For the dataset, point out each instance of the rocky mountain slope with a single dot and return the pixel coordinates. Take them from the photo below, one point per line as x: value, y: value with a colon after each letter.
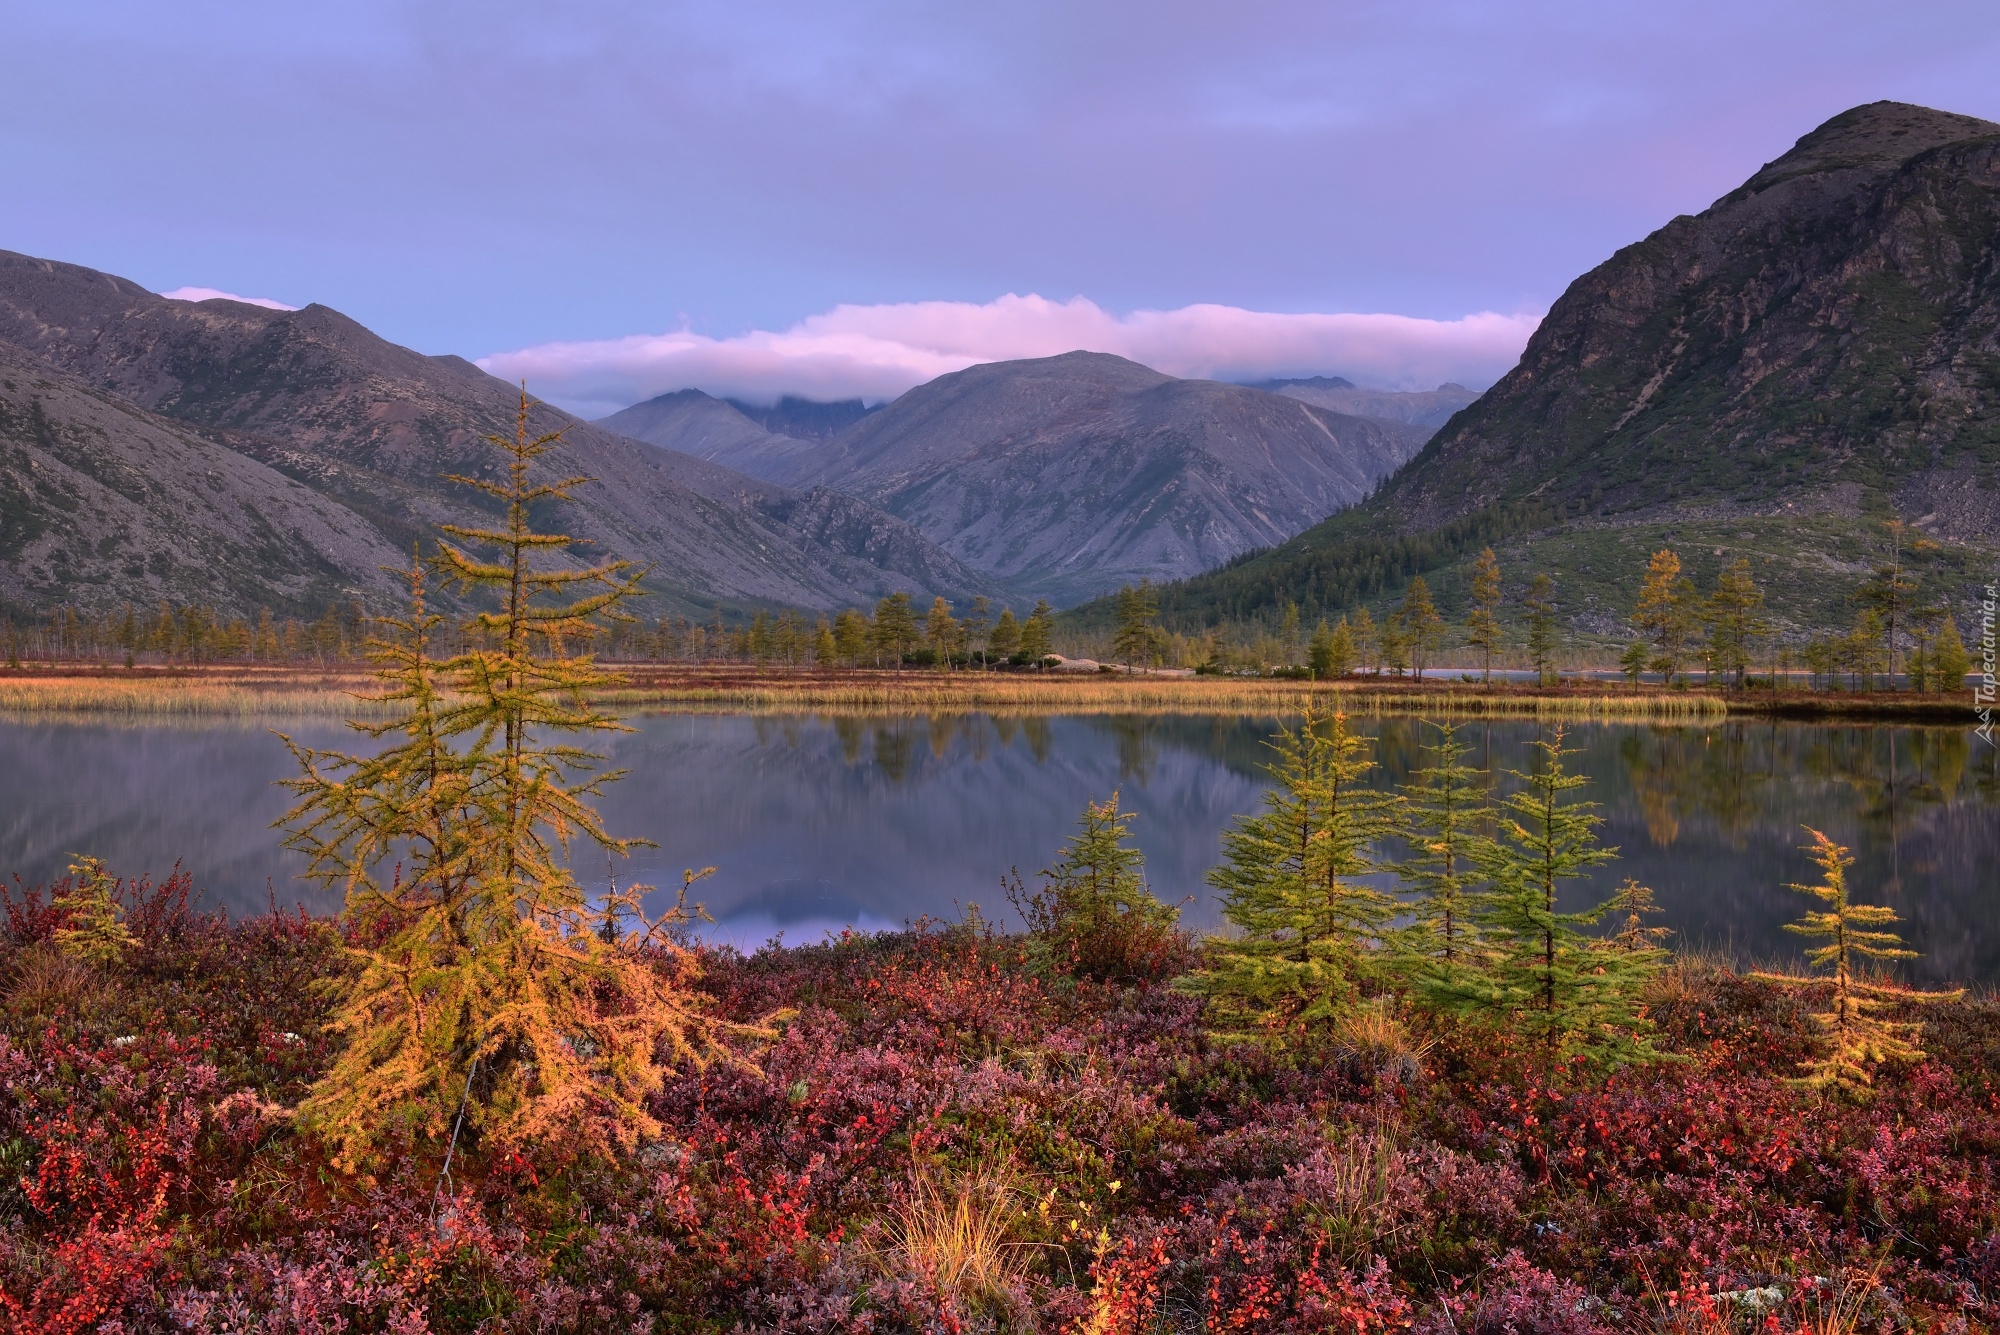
x: 1068, y: 476
x: 373, y: 428
x: 101, y: 501
x: 1818, y: 350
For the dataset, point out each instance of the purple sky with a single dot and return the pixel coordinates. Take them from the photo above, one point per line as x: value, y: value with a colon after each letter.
x: 487, y: 177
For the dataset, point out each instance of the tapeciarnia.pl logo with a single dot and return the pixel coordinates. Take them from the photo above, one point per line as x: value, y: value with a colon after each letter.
x: 1989, y: 663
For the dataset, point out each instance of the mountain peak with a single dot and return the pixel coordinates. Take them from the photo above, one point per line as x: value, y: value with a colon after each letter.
x: 1877, y: 134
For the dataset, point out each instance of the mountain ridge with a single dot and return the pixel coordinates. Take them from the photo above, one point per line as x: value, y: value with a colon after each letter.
x: 374, y: 427
x: 1820, y: 345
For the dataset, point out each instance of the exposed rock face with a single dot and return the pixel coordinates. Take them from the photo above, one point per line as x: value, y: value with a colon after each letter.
x: 103, y: 502
x: 375, y: 428
x: 1833, y: 321
x: 1068, y: 476
x: 1822, y: 341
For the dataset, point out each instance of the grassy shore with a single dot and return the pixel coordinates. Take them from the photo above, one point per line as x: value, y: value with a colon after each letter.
x: 315, y: 691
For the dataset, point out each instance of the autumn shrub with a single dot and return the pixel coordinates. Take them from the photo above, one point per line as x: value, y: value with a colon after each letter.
x: 1142, y: 1174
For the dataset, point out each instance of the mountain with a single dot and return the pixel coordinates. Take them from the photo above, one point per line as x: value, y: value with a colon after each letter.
x: 695, y: 423
x: 1816, y: 352
x: 1068, y: 476
x: 1426, y: 408
x: 96, y: 494
x: 804, y: 419
x: 373, y: 428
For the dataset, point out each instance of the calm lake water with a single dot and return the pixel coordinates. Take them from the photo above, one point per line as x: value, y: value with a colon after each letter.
x: 817, y: 823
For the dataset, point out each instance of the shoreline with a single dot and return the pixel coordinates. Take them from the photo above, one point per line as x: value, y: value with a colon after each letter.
x: 337, y: 691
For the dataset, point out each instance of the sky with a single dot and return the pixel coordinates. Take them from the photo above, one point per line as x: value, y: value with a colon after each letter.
x: 616, y: 199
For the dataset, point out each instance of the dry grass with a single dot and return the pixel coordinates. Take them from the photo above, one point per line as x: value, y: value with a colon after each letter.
x: 154, y: 693
x: 267, y: 692
x: 45, y: 983
x: 954, y: 1237
x: 929, y: 692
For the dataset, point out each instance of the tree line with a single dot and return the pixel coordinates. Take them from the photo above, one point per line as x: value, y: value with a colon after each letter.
x: 1897, y: 635
x: 894, y: 634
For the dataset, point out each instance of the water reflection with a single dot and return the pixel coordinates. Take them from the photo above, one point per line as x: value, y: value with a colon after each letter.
x: 822, y: 822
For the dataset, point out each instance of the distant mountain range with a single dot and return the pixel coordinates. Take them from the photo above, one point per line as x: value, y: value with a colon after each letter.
x: 1426, y: 408
x: 1065, y: 477
x: 242, y: 456
x: 1815, y: 353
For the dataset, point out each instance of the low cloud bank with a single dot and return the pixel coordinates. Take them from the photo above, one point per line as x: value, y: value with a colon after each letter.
x: 216, y: 294
x: 877, y: 352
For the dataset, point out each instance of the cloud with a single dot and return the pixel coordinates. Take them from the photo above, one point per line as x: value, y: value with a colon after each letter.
x: 877, y: 352
x: 216, y: 294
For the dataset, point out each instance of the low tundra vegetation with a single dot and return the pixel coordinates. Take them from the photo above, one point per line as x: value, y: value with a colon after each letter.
x: 951, y: 1132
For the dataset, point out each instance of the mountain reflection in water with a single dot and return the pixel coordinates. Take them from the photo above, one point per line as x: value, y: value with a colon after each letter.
x: 817, y: 823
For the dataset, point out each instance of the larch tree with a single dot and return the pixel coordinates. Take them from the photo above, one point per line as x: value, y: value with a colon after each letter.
x: 1482, y: 620
x: 1135, y: 640
x: 852, y: 635
x: 1542, y: 974
x: 1888, y: 591
x: 1734, y: 625
x: 895, y: 630
x: 1310, y: 928
x: 1094, y: 915
x: 1860, y: 1035
x: 1367, y: 643
x: 1539, y: 608
x: 1444, y: 805
x: 941, y: 631
x: 491, y: 994
x: 1038, y: 633
x: 1006, y: 638
x: 975, y: 626
x: 93, y: 927
x: 1421, y: 626
x: 1319, y: 653
x: 1664, y: 614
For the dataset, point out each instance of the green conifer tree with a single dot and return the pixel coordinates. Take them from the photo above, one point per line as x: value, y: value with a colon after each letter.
x: 489, y: 989
x: 1734, y: 625
x: 1310, y: 929
x: 1319, y: 653
x: 1544, y: 977
x: 1422, y: 629
x: 94, y: 927
x: 1634, y: 661
x: 1539, y: 604
x: 1367, y: 642
x: 1343, y: 655
x: 1859, y: 1034
x: 1443, y: 807
x: 1482, y: 621
x: 1038, y: 633
x: 1094, y: 915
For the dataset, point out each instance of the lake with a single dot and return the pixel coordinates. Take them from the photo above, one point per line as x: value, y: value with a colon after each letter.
x: 821, y: 822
